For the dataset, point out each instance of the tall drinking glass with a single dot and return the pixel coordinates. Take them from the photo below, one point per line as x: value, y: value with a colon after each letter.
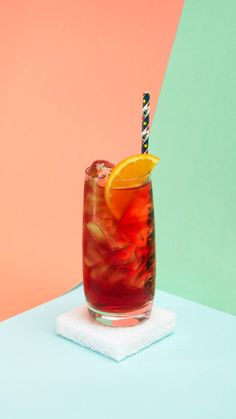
x: 119, y: 251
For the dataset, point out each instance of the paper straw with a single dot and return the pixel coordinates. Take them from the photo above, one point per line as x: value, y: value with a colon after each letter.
x: 145, y: 122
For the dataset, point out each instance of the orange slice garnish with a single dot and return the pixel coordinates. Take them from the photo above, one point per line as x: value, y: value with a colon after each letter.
x: 129, y: 174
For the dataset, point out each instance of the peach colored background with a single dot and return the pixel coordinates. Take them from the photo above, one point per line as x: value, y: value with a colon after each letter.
x: 71, y: 78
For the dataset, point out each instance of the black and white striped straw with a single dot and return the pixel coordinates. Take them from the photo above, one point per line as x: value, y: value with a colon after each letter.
x: 145, y: 122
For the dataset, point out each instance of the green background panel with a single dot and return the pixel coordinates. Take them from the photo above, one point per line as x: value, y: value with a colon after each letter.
x: 193, y: 133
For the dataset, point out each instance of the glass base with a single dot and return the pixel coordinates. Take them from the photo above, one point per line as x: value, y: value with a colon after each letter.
x: 130, y: 318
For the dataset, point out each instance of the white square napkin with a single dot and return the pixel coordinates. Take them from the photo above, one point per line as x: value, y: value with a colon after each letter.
x: 115, y: 342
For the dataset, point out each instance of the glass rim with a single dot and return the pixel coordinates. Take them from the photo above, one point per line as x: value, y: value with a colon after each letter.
x: 121, y: 180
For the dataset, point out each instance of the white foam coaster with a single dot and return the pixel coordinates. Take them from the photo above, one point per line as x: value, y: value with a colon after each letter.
x: 115, y: 342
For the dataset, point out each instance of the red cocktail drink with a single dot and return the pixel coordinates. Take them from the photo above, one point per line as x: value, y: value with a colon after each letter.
x: 118, y: 249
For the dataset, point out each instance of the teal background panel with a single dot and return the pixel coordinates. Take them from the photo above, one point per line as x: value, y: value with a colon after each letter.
x: 193, y: 133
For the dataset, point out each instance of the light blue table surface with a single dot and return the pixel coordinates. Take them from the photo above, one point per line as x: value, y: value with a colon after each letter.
x: 191, y: 374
